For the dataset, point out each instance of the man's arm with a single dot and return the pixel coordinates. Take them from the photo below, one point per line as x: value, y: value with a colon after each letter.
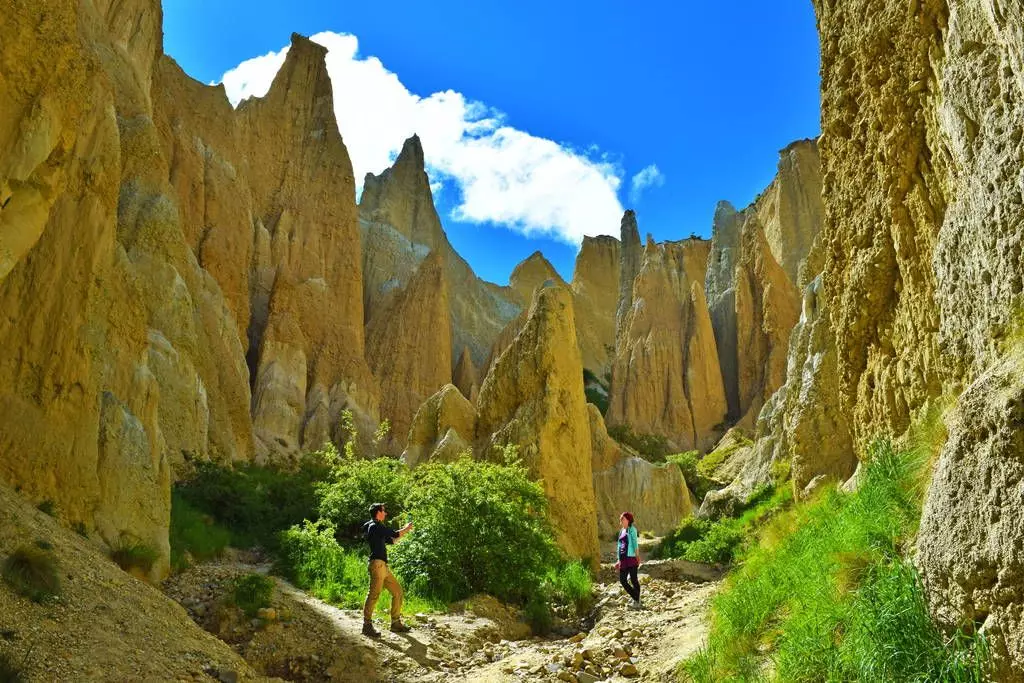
x: 401, y: 532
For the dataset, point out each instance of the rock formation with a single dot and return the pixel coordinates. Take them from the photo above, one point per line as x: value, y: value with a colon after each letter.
x: 409, y: 345
x: 530, y: 274
x: 753, y: 274
x: 630, y: 257
x: 533, y: 398
x: 655, y: 494
x: 466, y: 377
x: 400, y: 226
x: 666, y: 378
x: 595, y: 288
x: 443, y: 428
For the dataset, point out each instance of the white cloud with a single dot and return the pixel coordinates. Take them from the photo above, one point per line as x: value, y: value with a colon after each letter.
x: 648, y: 177
x: 504, y: 175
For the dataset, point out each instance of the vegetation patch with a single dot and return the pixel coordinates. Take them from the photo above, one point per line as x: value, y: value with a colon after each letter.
x: 194, y: 535
x: 724, y: 540
x: 31, y: 571
x: 252, y: 592
x: 687, y: 462
x: 651, y: 447
x: 826, y: 594
x: 131, y: 553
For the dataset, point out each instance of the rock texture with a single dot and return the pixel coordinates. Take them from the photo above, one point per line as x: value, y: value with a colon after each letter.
x: 756, y: 259
x: 409, y: 345
x: 466, y: 377
x: 595, y: 287
x: 533, y: 397
x: 443, y: 427
x: 655, y: 494
x: 400, y: 226
x: 969, y: 548
x: 666, y: 378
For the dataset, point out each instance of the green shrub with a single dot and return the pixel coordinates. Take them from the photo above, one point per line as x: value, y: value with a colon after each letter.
x: 571, y: 584
x: 695, y: 481
x: 313, y: 561
x: 691, y: 529
x: 354, y: 485
x: 253, y: 502
x: 252, y: 592
x: 831, y: 599
x: 537, y: 612
x: 31, y: 571
x: 131, y: 553
x: 194, y: 533
x: 479, y: 528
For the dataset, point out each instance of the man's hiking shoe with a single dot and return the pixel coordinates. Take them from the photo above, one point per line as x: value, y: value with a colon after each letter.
x: 399, y: 627
x: 369, y: 630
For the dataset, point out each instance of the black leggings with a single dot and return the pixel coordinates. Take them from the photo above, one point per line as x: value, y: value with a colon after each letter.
x: 629, y: 581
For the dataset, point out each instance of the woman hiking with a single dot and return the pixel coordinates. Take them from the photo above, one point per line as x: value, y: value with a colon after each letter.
x: 629, y: 558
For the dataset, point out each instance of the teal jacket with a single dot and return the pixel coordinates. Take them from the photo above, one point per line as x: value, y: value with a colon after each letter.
x: 631, y: 541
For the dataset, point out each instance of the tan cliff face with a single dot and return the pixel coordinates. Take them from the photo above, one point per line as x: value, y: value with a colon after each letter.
x: 757, y: 257
x: 595, y: 288
x: 399, y: 227
x: 666, y: 378
x: 533, y: 398
x: 409, y: 346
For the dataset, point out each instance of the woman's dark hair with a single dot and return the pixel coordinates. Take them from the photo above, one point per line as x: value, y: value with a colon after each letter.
x: 628, y: 516
x: 375, y: 508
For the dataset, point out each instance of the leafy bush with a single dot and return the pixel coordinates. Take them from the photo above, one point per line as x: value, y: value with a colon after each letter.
x: 253, y: 502
x: 480, y: 528
x: 571, y: 584
x: 718, y: 545
x: 31, y: 571
x: 252, y: 592
x: 313, y: 560
x: 194, y: 533
x: 537, y: 612
x: 354, y: 485
x: 675, y: 543
x: 651, y: 447
x: 687, y: 462
x: 131, y: 553
x: 829, y: 598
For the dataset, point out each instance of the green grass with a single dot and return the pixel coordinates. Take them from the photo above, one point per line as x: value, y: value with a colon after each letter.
x: 572, y: 584
x: 252, y: 592
x: 31, y: 571
x: 722, y: 541
x: 131, y: 553
x: 826, y: 596
x: 651, y: 447
x: 194, y: 534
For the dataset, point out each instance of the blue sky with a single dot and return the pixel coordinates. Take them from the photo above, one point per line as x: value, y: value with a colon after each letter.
x: 537, y: 116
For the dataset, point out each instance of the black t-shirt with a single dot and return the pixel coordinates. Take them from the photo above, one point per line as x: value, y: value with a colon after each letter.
x: 379, y: 537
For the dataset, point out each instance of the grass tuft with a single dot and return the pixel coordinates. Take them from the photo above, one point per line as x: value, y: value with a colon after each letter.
x: 31, y: 572
x: 829, y: 597
x: 252, y: 592
x: 131, y: 553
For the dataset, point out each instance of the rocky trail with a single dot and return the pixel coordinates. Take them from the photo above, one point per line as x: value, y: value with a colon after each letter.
x: 303, y: 638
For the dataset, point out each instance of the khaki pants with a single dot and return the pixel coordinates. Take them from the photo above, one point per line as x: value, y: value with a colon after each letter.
x: 381, y: 577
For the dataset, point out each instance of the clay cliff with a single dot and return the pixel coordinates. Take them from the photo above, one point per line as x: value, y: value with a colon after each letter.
x: 595, y: 288
x: 666, y: 378
x: 399, y: 227
x: 533, y: 398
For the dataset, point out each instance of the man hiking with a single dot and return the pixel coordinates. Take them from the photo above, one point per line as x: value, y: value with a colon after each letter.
x: 379, y: 536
